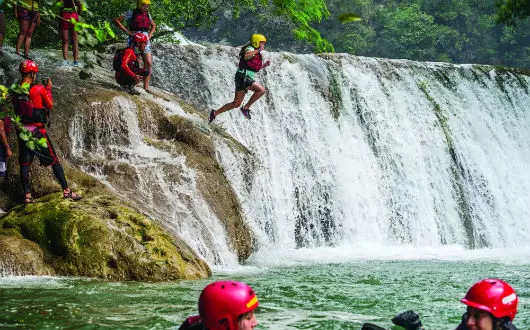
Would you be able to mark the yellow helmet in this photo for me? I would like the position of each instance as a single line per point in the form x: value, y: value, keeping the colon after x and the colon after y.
x: 255, y: 39
x: 143, y: 2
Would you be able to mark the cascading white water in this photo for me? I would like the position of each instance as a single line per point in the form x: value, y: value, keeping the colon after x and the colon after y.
x: 157, y: 181
x: 361, y: 151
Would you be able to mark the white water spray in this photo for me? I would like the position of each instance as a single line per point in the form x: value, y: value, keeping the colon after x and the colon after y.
x: 350, y: 151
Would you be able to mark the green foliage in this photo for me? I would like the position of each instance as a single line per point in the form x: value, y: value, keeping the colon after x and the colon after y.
x: 458, y: 31
x: 24, y: 134
x: 512, y: 11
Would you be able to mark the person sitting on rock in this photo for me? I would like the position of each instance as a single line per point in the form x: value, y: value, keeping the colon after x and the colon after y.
x: 33, y: 109
x: 139, y: 21
x: 128, y: 72
x: 225, y: 305
x: 250, y: 62
x: 491, y: 305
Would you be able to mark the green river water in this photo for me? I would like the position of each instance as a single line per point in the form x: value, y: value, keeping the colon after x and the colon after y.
x: 300, y: 296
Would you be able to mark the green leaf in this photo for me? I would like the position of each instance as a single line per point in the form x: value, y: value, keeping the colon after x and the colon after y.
x: 24, y: 135
x: 43, y: 143
x: 30, y: 144
x: 350, y: 17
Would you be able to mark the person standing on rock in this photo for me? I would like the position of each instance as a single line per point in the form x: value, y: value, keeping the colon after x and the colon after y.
x: 128, y: 72
x: 250, y: 62
x: 33, y: 108
x: 225, y: 305
x: 27, y: 14
x: 491, y: 305
x: 69, y: 10
x: 139, y: 21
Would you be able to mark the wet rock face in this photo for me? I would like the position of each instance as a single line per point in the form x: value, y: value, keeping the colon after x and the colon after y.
x: 153, y: 151
x: 99, y: 237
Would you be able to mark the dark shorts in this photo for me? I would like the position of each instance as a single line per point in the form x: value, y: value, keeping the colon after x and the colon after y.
x: 64, y: 23
x: 28, y: 15
x: 2, y: 23
x: 3, y: 161
x: 126, y: 80
x: 243, y: 82
x: 47, y: 156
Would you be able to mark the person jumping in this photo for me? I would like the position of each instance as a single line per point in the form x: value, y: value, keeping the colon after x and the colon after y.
x: 250, y: 62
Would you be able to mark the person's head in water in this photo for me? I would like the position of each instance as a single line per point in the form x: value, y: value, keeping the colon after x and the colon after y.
x: 139, y: 40
x: 228, y: 305
x: 143, y: 5
x: 28, y: 69
x: 258, y: 40
x: 491, y: 305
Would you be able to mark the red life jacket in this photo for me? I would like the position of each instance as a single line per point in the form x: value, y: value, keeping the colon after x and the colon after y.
x: 27, y: 112
x: 252, y: 64
x: 140, y: 21
x: 118, y: 59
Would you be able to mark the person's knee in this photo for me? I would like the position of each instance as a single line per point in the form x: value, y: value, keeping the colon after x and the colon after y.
x: 237, y: 103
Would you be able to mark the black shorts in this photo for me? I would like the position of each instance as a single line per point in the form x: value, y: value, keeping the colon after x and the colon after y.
x: 243, y: 81
x: 47, y: 156
x: 125, y: 80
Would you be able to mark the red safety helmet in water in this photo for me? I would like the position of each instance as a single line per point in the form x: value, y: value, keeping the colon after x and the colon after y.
x: 222, y: 302
x: 494, y: 296
x: 28, y: 66
x: 139, y: 38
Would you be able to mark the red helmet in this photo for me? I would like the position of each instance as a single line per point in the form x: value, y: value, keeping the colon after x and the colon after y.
x: 494, y: 296
x: 225, y: 300
x: 139, y: 38
x: 28, y: 66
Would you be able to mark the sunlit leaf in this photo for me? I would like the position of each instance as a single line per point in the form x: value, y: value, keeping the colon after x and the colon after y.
x: 350, y: 17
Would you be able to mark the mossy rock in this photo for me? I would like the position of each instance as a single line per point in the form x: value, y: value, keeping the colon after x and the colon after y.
x: 95, y: 237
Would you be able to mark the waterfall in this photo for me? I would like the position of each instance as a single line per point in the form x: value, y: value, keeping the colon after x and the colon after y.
x: 353, y: 151
x: 109, y: 144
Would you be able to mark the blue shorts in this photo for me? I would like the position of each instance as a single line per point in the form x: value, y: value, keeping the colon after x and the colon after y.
x: 147, y: 48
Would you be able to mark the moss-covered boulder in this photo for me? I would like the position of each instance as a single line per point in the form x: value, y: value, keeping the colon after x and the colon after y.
x: 97, y: 237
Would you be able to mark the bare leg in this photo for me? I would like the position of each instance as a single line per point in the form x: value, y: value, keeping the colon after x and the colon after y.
x: 75, y: 44
x: 238, y: 99
x: 29, y: 33
x: 147, y: 65
x: 258, y: 90
x: 23, y: 24
x: 64, y: 39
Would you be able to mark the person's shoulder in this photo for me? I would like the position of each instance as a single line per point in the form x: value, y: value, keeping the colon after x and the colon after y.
x: 192, y: 323
x: 128, y: 13
x: 36, y: 88
x: 128, y: 51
